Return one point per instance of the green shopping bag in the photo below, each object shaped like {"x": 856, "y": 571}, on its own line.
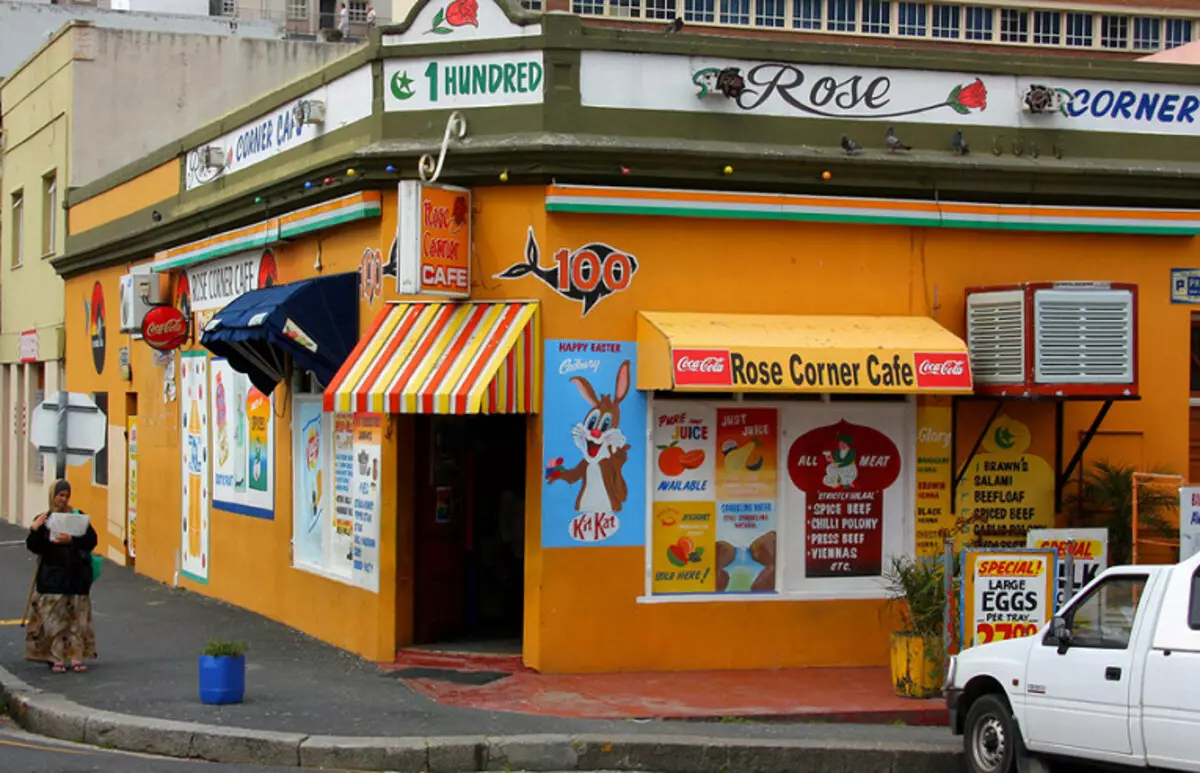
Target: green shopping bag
{"x": 97, "y": 565}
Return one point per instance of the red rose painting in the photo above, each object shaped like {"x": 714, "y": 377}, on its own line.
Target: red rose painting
{"x": 460, "y": 211}
{"x": 459, "y": 13}
{"x": 964, "y": 99}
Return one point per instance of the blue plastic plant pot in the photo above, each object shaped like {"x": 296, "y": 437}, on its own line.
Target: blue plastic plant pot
{"x": 222, "y": 680}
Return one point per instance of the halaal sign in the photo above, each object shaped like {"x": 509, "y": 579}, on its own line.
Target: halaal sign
{"x": 474, "y": 80}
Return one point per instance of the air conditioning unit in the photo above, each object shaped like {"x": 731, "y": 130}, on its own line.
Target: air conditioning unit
{"x": 138, "y": 293}
{"x": 213, "y": 156}
{"x": 309, "y": 111}
{"x": 1054, "y": 339}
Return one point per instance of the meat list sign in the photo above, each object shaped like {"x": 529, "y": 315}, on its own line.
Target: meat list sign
{"x": 434, "y": 238}
{"x": 780, "y": 370}
{"x": 843, "y": 470}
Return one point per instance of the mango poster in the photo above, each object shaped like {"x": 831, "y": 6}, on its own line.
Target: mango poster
{"x": 1007, "y": 491}
{"x": 935, "y": 522}
{"x": 593, "y": 443}
{"x": 684, "y": 548}
{"x": 747, "y": 485}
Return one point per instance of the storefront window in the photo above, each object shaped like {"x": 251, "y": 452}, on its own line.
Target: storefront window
{"x": 791, "y": 499}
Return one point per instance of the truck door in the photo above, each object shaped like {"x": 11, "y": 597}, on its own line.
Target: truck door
{"x": 1170, "y": 700}
{"x": 1078, "y": 700}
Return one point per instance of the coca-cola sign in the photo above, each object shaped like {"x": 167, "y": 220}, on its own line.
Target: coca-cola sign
{"x": 702, "y": 367}
{"x": 164, "y": 328}
{"x": 943, "y": 371}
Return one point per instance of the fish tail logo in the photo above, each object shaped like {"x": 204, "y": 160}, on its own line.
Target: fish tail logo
{"x": 587, "y": 275}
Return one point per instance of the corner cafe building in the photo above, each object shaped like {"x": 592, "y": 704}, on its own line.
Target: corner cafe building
{"x": 648, "y": 402}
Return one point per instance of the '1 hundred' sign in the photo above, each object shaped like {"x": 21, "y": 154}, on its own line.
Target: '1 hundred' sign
{"x": 478, "y": 80}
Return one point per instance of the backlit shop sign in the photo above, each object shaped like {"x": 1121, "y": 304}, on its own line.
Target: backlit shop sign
{"x": 800, "y": 371}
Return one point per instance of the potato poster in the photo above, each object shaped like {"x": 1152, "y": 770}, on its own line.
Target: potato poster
{"x": 1006, "y": 594}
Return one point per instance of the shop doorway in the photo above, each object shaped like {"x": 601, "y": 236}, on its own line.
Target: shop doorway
{"x": 469, "y": 541}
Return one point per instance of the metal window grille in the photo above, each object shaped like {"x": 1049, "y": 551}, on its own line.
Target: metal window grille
{"x": 358, "y": 12}
{"x": 947, "y": 21}
{"x": 1014, "y": 26}
{"x": 1080, "y": 29}
{"x": 1047, "y": 28}
{"x": 877, "y": 17}
{"x": 1114, "y": 31}
{"x": 913, "y": 19}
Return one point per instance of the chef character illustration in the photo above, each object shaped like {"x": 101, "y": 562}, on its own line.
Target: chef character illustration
{"x": 842, "y": 470}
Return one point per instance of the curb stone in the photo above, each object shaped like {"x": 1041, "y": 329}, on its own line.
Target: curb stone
{"x": 56, "y": 717}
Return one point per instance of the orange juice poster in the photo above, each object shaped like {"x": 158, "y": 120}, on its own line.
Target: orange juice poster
{"x": 746, "y": 487}
{"x": 683, "y": 534}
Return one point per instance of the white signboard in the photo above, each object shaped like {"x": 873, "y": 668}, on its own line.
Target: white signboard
{"x": 27, "y": 346}
{"x": 455, "y": 20}
{"x": 243, "y": 444}
{"x": 1006, "y": 594}
{"x": 1189, "y": 522}
{"x": 1090, "y": 551}
{"x": 472, "y": 80}
{"x": 689, "y": 84}
{"x": 215, "y": 283}
{"x": 347, "y": 100}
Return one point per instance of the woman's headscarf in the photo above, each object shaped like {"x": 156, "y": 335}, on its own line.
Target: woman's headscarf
{"x": 60, "y": 486}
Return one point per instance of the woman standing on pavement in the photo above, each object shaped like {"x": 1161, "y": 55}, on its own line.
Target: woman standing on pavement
{"x": 60, "y": 625}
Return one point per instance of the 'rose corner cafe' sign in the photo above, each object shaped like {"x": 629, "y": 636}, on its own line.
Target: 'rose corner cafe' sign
{"x": 433, "y": 236}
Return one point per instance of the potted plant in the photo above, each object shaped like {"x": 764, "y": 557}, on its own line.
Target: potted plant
{"x": 916, "y": 593}
{"x": 1104, "y": 498}
{"x": 223, "y": 672}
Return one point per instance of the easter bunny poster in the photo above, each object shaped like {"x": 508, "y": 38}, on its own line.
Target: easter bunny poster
{"x": 594, "y": 446}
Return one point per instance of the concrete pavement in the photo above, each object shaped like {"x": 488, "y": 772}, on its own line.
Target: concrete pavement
{"x": 313, "y": 705}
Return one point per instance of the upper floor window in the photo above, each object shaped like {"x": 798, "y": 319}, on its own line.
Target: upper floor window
{"x": 1014, "y": 26}
{"x": 1146, "y": 34}
{"x": 913, "y": 19}
{"x": 806, "y": 14}
{"x": 1114, "y": 31}
{"x": 1047, "y": 28}
{"x": 947, "y": 20}
{"x": 1080, "y": 29}
{"x": 17, "y": 231}
{"x": 49, "y": 213}
{"x": 769, "y": 13}
{"x": 297, "y": 10}
{"x": 659, "y": 9}
{"x": 632, "y": 9}
{"x": 735, "y": 11}
{"x": 229, "y": 7}
{"x": 979, "y": 23}
{"x": 841, "y": 15}
{"x": 877, "y": 17}
{"x": 1179, "y": 32}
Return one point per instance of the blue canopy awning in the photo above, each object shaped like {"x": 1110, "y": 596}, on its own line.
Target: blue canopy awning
{"x": 315, "y": 321}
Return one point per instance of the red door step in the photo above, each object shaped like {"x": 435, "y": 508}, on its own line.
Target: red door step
{"x": 416, "y": 657}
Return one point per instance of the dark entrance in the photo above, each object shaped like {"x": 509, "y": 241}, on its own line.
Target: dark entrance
{"x": 470, "y": 532}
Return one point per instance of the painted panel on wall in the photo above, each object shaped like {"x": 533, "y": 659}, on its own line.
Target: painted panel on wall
{"x": 243, "y": 478}
{"x": 193, "y": 372}
{"x": 594, "y": 446}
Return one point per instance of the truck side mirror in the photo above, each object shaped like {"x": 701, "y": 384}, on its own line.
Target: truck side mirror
{"x": 1060, "y": 631}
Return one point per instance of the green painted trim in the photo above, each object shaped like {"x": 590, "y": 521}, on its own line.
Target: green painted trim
{"x": 812, "y": 217}
{"x": 366, "y": 212}
{"x": 220, "y": 251}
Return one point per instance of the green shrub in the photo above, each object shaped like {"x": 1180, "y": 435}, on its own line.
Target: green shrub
{"x": 223, "y": 648}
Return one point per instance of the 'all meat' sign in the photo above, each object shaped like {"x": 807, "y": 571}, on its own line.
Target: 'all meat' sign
{"x": 434, "y": 238}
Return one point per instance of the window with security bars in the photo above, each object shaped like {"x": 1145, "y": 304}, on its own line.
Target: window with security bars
{"x": 1114, "y": 32}
{"x": 877, "y": 17}
{"x": 1014, "y": 26}
{"x": 1178, "y": 32}
{"x": 357, "y": 11}
{"x": 912, "y": 20}
{"x": 947, "y": 21}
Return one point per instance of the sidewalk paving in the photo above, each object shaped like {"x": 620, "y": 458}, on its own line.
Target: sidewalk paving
{"x": 301, "y": 692}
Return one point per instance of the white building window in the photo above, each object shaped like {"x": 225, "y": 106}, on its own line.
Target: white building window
{"x": 229, "y": 7}
{"x": 947, "y": 21}
{"x": 699, "y": 11}
{"x": 979, "y": 23}
{"x": 877, "y": 17}
{"x": 913, "y": 19}
{"x": 660, "y": 9}
{"x": 1179, "y": 32}
{"x": 297, "y": 10}
{"x": 587, "y": 7}
{"x": 1147, "y": 34}
{"x": 18, "y": 229}
{"x": 769, "y": 13}
{"x": 49, "y": 214}
{"x": 806, "y": 14}
{"x": 1014, "y": 26}
{"x": 841, "y": 15}
{"x": 1080, "y": 29}
{"x": 735, "y": 12}
{"x": 1114, "y": 32}
{"x": 1047, "y": 28}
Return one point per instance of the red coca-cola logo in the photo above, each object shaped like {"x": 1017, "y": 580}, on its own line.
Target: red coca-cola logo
{"x": 702, "y": 367}
{"x": 164, "y": 328}
{"x": 943, "y": 371}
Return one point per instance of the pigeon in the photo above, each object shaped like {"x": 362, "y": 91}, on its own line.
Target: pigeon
{"x": 893, "y": 142}
{"x": 850, "y": 146}
{"x": 675, "y": 25}
{"x": 960, "y": 146}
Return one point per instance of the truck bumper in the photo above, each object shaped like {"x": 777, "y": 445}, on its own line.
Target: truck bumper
{"x": 952, "y": 698}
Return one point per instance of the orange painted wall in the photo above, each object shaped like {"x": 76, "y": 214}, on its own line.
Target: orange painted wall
{"x": 157, "y": 185}
{"x": 582, "y": 614}
{"x": 250, "y": 559}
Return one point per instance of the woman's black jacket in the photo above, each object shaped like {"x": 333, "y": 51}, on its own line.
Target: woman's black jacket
{"x": 65, "y": 569}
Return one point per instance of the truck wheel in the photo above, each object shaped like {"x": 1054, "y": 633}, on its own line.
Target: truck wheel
{"x": 989, "y": 739}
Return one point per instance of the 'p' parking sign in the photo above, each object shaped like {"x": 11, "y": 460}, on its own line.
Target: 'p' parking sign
{"x": 1185, "y": 285}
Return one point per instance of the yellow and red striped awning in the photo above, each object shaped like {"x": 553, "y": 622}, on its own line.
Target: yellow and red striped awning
{"x": 445, "y": 358}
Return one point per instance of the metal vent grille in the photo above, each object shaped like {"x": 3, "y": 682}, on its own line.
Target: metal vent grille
{"x": 1083, "y": 336}
{"x": 996, "y": 336}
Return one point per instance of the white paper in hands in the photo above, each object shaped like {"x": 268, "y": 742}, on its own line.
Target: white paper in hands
{"x": 73, "y": 524}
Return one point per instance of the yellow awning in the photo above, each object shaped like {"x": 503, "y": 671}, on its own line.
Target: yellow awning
{"x": 444, "y": 358}
{"x": 781, "y": 353}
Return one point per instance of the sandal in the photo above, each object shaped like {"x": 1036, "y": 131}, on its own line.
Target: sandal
{"x": 58, "y": 668}
{"x": 78, "y": 668}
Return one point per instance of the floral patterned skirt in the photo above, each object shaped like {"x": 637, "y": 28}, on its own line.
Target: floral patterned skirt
{"x": 59, "y": 629}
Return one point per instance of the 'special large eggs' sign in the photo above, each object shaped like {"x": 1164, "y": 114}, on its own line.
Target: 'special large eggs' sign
{"x": 164, "y": 328}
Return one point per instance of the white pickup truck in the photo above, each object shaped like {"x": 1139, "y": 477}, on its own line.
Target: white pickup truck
{"x": 1114, "y": 678}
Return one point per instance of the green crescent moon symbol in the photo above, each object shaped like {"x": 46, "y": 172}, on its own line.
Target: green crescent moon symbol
{"x": 402, "y": 85}
{"x": 1004, "y": 439}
